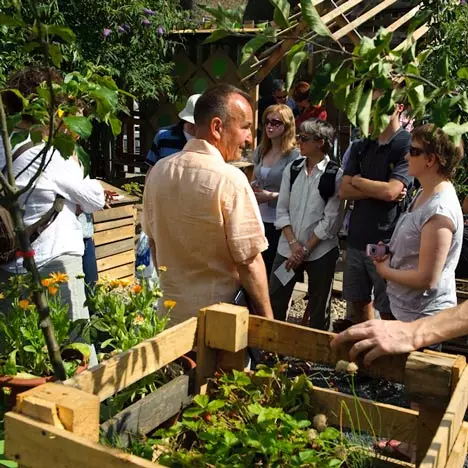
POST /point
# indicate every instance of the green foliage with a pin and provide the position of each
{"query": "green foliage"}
(252, 420)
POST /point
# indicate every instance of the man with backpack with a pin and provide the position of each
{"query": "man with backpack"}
(376, 179)
(309, 215)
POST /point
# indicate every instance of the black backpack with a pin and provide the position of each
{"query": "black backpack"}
(8, 240)
(327, 184)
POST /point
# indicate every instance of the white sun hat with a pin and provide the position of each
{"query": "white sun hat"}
(187, 112)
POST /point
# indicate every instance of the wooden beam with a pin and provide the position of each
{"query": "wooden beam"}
(114, 235)
(353, 36)
(37, 445)
(362, 19)
(449, 428)
(116, 260)
(414, 37)
(314, 345)
(458, 455)
(98, 227)
(383, 420)
(118, 372)
(206, 357)
(340, 10)
(404, 19)
(114, 213)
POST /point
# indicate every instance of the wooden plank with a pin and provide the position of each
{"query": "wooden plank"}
(119, 272)
(120, 371)
(445, 437)
(113, 213)
(403, 19)
(314, 345)
(77, 411)
(113, 235)
(428, 423)
(114, 248)
(116, 260)
(206, 357)
(37, 445)
(414, 37)
(340, 10)
(148, 413)
(458, 455)
(129, 221)
(336, 36)
(380, 419)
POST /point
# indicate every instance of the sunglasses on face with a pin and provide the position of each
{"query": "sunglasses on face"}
(413, 151)
(282, 98)
(273, 122)
(304, 138)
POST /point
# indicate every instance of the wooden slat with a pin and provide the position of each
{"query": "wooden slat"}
(445, 437)
(115, 248)
(113, 213)
(206, 357)
(314, 345)
(414, 37)
(115, 260)
(38, 445)
(113, 235)
(458, 455)
(404, 19)
(114, 224)
(383, 420)
(122, 370)
(362, 19)
(118, 272)
(340, 10)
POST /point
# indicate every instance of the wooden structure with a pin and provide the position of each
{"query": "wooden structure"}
(114, 236)
(58, 425)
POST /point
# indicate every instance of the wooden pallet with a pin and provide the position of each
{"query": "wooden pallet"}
(58, 425)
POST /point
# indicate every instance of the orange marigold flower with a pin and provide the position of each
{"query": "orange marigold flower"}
(52, 290)
(162, 268)
(114, 283)
(137, 289)
(46, 282)
(170, 304)
(59, 277)
(24, 304)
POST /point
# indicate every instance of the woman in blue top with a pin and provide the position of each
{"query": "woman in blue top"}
(275, 152)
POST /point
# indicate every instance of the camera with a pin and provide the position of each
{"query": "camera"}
(376, 250)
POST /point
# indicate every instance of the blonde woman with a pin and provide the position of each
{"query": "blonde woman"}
(275, 152)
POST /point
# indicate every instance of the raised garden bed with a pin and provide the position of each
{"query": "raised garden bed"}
(58, 425)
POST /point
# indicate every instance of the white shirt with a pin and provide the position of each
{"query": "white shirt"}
(306, 212)
(64, 177)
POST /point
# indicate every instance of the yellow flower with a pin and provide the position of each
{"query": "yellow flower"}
(138, 320)
(24, 304)
(162, 268)
(2, 296)
(46, 282)
(60, 113)
(52, 290)
(170, 304)
(114, 284)
(59, 277)
(137, 289)
(125, 282)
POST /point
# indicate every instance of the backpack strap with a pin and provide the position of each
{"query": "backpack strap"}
(294, 171)
(327, 183)
(22, 149)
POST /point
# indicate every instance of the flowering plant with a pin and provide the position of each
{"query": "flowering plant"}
(125, 313)
(23, 348)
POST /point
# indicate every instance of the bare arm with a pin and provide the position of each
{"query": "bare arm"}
(376, 338)
(253, 278)
(385, 191)
(349, 192)
(436, 238)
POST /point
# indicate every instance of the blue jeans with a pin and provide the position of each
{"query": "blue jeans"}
(89, 265)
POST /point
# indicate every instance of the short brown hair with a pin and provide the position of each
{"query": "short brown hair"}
(301, 91)
(435, 141)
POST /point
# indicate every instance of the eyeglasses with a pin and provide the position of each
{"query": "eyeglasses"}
(281, 98)
(273, 122)
(304, 138)
(413, 151)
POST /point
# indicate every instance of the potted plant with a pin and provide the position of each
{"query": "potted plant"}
(24, 360)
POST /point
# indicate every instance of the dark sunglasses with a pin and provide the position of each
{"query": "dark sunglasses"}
(273, 122)
(413, 151)
(282, 98)
(304, 138)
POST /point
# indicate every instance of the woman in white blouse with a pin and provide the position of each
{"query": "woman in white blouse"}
(309, 214)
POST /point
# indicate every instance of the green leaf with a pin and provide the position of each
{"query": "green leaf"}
(215, 405)
(201, 400)
(281, 14)
(417, 99)
(12, 121)
(30, 46)
(464, 103)
(62, 31)
(116, 125)
(17, 138)
(84, 158)
(65, 144)
(454, 129)
(312, 18)
(463, 73)
(216, 36)
(29, 348)
(352, 103)
(253, 45)
(442, 66)
(55, 54)
(80, 125)
(294, 61)
(82, 348)
(192, 412)
(364, 112)
(230, 439)
(11, 20)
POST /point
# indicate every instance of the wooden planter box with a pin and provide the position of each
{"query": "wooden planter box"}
(58, 425)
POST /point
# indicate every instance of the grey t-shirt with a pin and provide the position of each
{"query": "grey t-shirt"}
(409, 304)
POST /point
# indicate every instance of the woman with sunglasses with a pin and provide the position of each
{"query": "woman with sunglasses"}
(275, 152)
(426, 244)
